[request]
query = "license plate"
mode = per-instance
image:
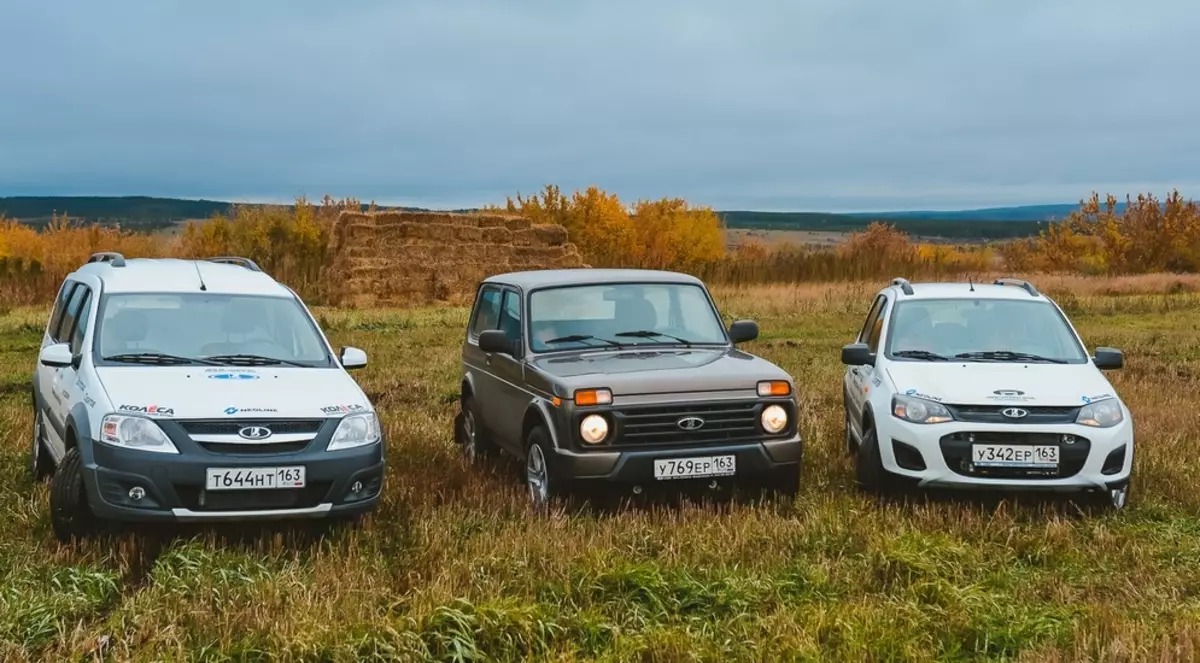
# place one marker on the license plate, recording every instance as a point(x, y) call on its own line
point(685, 468)
point(1015, 455)
point(253, 478)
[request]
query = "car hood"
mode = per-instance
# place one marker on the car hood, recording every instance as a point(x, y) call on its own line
point(202, 392)
point(988, 383)
point(668, 370)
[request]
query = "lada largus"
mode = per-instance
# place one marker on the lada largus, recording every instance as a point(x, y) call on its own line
point(625, 378)
point(966, 385)
point(196, 390)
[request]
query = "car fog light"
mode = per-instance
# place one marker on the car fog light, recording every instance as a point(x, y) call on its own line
point(774, 418)
point(137, 493)
point(593, 429)
point(357, 487)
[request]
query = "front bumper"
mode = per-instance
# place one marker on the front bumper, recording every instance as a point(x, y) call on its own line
point(636, 466)
point(1090, 458)
point(174, 484)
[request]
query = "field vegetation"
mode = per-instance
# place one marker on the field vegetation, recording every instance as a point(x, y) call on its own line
point(454, 567)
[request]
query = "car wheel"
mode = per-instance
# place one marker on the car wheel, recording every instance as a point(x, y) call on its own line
point(1116, 499)
point(540, 481)
point(476, 444)
point(851, 446)
point(868, 464)
point(41, 465)
point(70, 515)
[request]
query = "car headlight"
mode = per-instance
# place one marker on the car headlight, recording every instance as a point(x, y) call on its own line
point(593, 429)
point(774, 418)
point(1101, 414)
point(919, 410)
point(135, 433)
point(355, 430)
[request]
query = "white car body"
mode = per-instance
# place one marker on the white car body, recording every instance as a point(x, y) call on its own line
point(75, 390)
point(994, 406)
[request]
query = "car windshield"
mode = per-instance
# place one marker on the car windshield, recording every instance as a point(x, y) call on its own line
point(981, 330)
point(207, 328)
point(622, 314)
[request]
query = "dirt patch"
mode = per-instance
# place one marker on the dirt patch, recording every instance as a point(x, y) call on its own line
point(404, 258)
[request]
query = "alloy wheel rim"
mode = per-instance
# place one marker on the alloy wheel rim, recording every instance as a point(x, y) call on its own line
point(535, 475)
point(37, 440)
point(470, 449)
point(1118, 497)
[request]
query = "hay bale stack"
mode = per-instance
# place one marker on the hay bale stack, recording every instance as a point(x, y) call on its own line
point(398, 258)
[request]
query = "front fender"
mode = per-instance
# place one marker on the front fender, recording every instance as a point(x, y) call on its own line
point(545, 412)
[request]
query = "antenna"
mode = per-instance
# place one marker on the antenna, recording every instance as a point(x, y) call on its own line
point(199, 276)
point(971, 282)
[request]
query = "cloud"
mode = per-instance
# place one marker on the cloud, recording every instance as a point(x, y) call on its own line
point(836, 104)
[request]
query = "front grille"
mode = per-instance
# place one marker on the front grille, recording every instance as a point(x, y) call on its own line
point(723, 422)
point(956, 450)
point(994, 414)
point(255, 449)
point(232, 426)
point(198, 499)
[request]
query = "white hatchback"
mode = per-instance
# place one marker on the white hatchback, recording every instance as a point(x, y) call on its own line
point(983, 386)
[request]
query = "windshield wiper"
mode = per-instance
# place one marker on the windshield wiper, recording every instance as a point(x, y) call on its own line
point(920, 354)
point(1008, 355)
point(251, 360)
point(648, 333)
point(579, 338)
point(157, 358)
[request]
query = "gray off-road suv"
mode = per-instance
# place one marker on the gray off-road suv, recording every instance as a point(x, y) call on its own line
point(621, 376)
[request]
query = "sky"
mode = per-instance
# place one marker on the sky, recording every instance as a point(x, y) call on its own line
point(821, 105)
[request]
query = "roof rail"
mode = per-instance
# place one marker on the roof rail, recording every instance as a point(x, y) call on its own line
point(235, 260)
point(905, 286)
point(1019, 283)
point(112, 257)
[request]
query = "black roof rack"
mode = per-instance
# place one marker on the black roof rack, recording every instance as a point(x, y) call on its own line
point(905, 286)
point(111, 257)
point(235, 260)
point(1019, 283)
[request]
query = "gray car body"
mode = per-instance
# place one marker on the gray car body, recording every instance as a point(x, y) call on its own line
point(516, 392)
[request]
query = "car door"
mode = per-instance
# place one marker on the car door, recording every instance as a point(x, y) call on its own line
point(858, 377)
point(509, 370)
point(62, 381)
point(47, 376)
point(485, 316)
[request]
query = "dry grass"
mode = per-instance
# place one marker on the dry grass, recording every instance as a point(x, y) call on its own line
point(453, 567)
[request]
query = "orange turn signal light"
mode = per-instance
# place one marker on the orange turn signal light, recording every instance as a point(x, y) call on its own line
point(774, 388)
point(593, 397)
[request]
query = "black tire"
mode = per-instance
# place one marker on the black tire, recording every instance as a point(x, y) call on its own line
point(542, 483)
point(851, 445)
point(70, 515)
point(41, 465)
point(868, 464)
point(476, 443)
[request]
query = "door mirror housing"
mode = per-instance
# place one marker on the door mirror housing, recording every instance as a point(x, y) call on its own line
point(1108, 358)
point(57, 356)
point(742, 331)
point(495, 340)
point(857, 354)
point(352, 358)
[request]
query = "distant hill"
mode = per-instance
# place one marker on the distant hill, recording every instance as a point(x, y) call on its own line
point(149, 213)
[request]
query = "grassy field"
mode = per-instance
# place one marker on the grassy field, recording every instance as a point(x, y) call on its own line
point(454, 567)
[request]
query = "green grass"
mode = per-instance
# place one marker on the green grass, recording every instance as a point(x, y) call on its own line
point(454, 567)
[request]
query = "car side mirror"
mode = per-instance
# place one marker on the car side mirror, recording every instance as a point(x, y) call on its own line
point(1108, 358)
point(857, 354)
point(57, 355)
point(353, 358)
point(495, 340)
point(743, 330)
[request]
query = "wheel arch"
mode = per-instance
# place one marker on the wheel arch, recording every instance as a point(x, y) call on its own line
point(537, 414)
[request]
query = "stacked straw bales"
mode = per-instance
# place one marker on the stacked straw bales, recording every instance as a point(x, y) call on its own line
point(403, 258)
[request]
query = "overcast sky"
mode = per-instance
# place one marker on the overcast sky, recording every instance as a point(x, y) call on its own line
point(785, 105)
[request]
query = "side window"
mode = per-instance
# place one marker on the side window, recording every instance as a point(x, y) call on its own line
point(510, 315)
point(67, 325)
point(60, 305)
point(872, 314)
point(487, 310)
point(877, 327)
point(81, 322)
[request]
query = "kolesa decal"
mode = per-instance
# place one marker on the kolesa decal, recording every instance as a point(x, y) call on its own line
point(231, 374)
point(1093, 399)
point(148, 409)
point(914, 392)
point(235, 410)
point(1009, 396)
point(332, 409)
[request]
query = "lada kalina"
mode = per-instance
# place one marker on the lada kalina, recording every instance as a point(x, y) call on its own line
point(196, 390)
point(966, 385)
point(623, 378)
